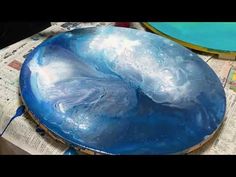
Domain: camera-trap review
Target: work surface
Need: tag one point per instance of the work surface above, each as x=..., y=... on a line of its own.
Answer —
x=25, y=134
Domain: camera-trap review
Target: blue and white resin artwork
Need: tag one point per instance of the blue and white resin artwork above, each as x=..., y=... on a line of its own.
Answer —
x=122, y=91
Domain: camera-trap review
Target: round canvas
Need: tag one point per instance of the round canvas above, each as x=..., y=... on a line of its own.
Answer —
x=212, y=37
x=116, y=90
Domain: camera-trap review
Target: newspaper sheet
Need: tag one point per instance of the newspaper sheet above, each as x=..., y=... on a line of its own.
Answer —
x=223, y=142
x=22, y=131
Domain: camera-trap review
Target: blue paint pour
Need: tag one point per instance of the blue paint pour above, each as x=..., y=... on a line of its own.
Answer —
x=70, y=151
x=20, y=110
x=40, y=131
x=122, y=91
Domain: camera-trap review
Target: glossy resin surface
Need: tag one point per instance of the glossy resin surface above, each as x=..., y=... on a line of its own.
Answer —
x=218, y=36
x=122, y=91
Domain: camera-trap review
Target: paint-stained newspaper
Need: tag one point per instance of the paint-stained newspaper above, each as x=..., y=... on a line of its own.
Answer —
x=24, y=133
x=224, y=140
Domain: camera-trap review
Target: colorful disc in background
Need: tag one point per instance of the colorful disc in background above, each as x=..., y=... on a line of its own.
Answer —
x=117, y=90
x=213, y=37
